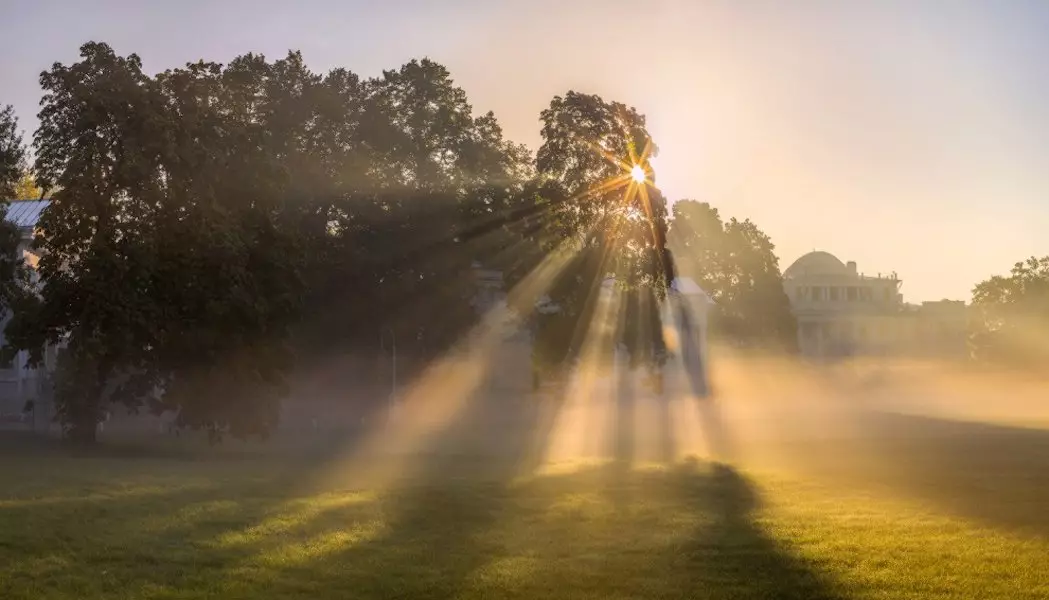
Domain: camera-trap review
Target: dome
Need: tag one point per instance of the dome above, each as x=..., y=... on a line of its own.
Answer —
x=816, y=263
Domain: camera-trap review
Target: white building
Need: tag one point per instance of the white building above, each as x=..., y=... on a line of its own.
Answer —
x=18, y=382
x=843, y=312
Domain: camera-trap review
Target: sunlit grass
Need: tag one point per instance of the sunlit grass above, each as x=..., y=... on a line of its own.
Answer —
x=831, y=493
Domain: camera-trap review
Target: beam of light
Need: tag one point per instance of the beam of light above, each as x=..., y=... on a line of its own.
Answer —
x=586, y=423
x=293, y=516
x=580, y=424
x=430, y=404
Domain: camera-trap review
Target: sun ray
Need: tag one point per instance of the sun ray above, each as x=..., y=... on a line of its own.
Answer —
x=431, y=403
x=575, y=433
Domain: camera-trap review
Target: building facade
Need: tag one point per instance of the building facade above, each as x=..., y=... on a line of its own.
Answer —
x=21, y=395
x=842, y=312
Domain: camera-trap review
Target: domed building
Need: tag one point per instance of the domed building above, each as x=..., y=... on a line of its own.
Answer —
x=839, y=310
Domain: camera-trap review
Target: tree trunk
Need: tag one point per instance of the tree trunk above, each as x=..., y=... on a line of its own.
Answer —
x=83, y=431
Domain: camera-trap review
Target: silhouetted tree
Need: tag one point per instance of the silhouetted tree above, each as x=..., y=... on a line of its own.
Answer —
x=736, y=264
x=167, y=265
x=602, y=224
x=419, y=190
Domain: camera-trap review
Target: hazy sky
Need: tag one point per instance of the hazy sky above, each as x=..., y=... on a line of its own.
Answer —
x=907, y=136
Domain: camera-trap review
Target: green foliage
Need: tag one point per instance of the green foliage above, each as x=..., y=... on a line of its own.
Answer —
x=26, y=188
x=168, y=265
x=12, y=153
x=214, y=221
x=415, y=190
x=13, y=275
x=735, y=263
x=214, y=224
x=1011, y=316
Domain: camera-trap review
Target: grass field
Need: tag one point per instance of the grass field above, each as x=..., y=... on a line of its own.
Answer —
x=919, y=507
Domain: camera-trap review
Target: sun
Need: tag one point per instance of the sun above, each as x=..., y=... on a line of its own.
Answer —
x=637, y=173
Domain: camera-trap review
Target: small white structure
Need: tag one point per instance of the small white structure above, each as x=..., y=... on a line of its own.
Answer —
x=686, y=312
x=684, y=315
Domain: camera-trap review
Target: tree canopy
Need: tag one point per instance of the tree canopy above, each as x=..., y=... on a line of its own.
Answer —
x=212, y=225
x=169, y=266
x=605, y=225
x=1011, y=316
x=735, y=263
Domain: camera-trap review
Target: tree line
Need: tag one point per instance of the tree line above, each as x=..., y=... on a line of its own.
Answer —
x=211, y=225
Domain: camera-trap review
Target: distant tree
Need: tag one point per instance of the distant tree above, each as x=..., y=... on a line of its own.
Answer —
x=736, y=264
x=26, y=188
x=12, y=153
x=13, y=276
x=1011, y=316
x=604, y=224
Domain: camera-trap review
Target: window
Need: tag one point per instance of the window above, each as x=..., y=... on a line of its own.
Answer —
x=817, y=293
x=851, y=293
x=865, y=294
x=801, y=292
x=835, y=294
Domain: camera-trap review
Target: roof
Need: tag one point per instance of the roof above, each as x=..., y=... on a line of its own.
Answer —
x=26, y=213
x=816, y=263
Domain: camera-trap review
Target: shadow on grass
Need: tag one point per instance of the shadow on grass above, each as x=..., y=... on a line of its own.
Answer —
x=467, y=525
x=730, y=556
x=688, y=531
x=992, y=473
x=462, y=524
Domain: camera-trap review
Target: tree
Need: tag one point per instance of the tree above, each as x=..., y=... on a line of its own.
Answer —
x=13, y=274
x=26, y=188
x=604, y=224
x=166, y=265
x=736, y=264
x=1011, y=316
x=430, y=195
x=12, y=153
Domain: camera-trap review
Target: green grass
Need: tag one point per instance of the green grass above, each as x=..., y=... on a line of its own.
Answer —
x=259, y=527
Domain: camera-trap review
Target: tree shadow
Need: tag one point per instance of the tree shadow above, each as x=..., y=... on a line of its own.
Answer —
x=730, y=556
x=995, y=474
x=446, y=539
x=433, y=518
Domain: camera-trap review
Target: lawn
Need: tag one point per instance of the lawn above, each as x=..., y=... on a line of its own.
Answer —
x=933, y=512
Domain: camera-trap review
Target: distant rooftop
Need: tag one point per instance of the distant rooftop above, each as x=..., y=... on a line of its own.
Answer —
x=26, y=213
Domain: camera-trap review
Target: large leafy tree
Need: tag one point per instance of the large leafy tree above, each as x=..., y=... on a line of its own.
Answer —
x=195, y=211
x=1011, y=316
x=735, y=263
x=432, y=189
x=604, y=223
x=167, y=268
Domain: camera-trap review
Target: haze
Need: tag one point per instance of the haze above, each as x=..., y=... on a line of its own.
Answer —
x=907, y=138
